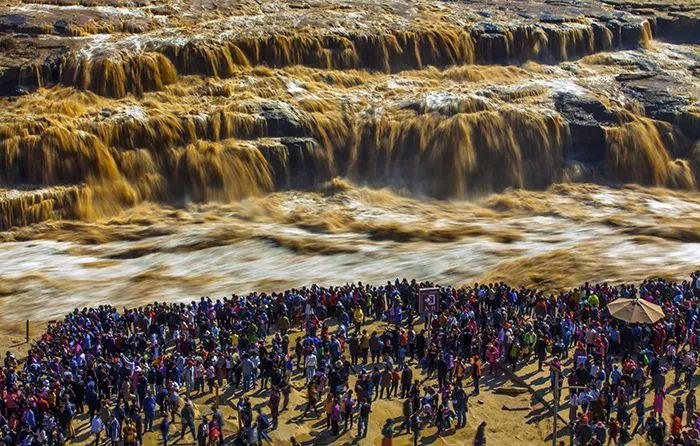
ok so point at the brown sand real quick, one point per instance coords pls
(507, 422)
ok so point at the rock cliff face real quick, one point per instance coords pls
(116, 48)
(107, 104)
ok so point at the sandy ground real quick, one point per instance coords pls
(529, 427)
(520, 419)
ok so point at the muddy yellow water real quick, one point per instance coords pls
(550, 239)
(168, 150)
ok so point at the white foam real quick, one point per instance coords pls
(104, 10)
(130, 112)
(294, 87)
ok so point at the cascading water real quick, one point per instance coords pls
(162, 129)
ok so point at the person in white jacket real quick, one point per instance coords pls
(310, 363)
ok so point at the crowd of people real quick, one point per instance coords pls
(130, 372)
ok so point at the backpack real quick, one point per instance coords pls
(214, 432)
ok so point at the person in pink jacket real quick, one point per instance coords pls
(493, 354)
(659, 401)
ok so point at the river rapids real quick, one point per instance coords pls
(165, 150)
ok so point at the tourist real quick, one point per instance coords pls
(690, 406)
(96, 428)
(312, 398)
(460, 404)
(348, 405)
(187, 419)
(114, 430)
(129, 433)
(416, 427)
(134, 361)
(335, 417)
(363, 418)
(165, 429)
(310, 362)
(203, 432)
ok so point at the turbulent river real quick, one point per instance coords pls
(552, 239)
(170, 149)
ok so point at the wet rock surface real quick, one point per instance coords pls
(388, 35)
(586, 118)
(205, 101)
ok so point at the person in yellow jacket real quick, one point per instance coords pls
(442, 320)
(358, 316)
(530, 339)
(364, 346)
(283, 324)
(594, 301)
(328, 408)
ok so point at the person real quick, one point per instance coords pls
(274, 406)
(96, 427)
(406, 379)
(395, 377)
(613, 430)
(114, 430)
(247, 369)
(354, 348)
(312, 397)
(625, 436)
(299, 350)
(262, 424)
(129, 433)
(375, 347)
(384, 383)
(443, 418)
(640, 410)
(218, 419)
(149, 411)
(363, 419)
(676, 426)
(657, 432)
(358, 317)
(335, 418)
(203, 432)
(348, 407)
(93, 400)
(215, 435)
(138, 425)
(387, 433)
(283, 324)
(165, 429)
(416, 426)
(600, 433)
(690, 406)
(407, 412)
(460, 404)
(480, 437)
(187, 419)
(678, 407)
(476, 373)
(328, 408)
(364, 347)
(133, 359)
(310, 363)
(659, 402)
